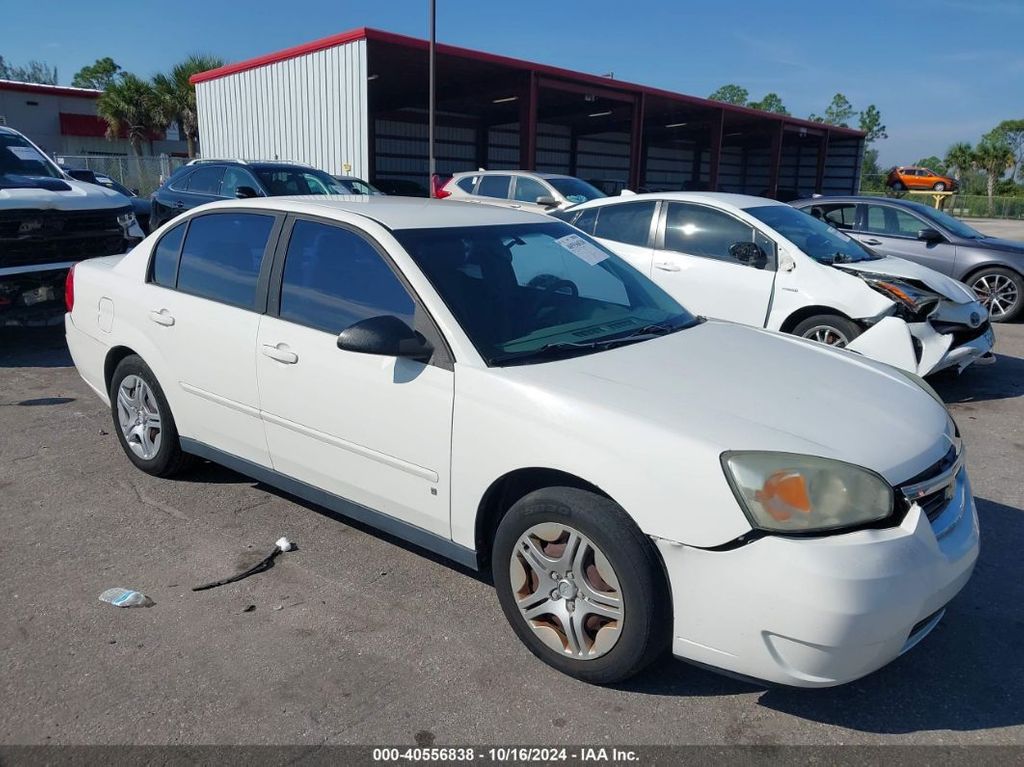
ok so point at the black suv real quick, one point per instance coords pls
(203, 181)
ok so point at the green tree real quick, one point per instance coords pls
(97, 75)
(870, 121)
(176, 96)
(932, 163)
(731, 94)
(33, 72)
(770, 103)
(130, 107)
(994, 157)
(960, 161)
(871, 175)
(838, 113)
(1012, 132)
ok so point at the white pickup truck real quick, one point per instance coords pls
(49, 221)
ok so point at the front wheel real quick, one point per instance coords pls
(938, 186)
(581, 585)
(828, 329)
(1001, 291)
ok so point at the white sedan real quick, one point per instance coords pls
(496, 387)
(766, 264)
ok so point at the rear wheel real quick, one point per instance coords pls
(580, 584)
(828, 329)
(939, 186)
(143, 421)
(1001, 291)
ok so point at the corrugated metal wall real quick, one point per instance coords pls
(401, 151)
(842, 165)
(310, 109)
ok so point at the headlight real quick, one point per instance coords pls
(910, 296)
(927, 387)
(791, 493)
(125, 220)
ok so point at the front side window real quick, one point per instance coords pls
(629, 223)
(528, 189)
(881, 219)
(221, 257)
(575, 190)
(702, 231)
(234, 178)
(814, 237)
(529, 292)
(164, 270)
(333, 278)
(205, 181)
(289, 181)
(494, 186)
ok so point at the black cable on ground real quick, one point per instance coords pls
(282, 545)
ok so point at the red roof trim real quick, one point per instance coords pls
(50, 90)
(367, 33)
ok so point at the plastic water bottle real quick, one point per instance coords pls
(126, 598)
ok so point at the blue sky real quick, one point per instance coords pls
(939, 70)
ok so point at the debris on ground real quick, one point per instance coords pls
(282, 545)
(120, 597)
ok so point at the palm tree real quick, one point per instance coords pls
(994, 156)
(129, 107)
(177, 96)
(960, 158)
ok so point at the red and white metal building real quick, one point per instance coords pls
(356, 103)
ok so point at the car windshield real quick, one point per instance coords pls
(814, 237)
(287, 181)
(575, 190)
(959, 228)
(111, 184)
(533, 292)
(20, 158)
(356, 186)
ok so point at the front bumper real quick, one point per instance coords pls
(818, 612)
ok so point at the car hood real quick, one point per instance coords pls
(721, 386)
(891, 266)
(39, 193)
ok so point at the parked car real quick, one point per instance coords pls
(991, 267)
(904, 177)
(766, 264)
(355, 185)
(203, 181)
(537, 192)
(634, 478)
(141, 206)
(48, 221)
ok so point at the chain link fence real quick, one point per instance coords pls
(144, 174)
(959, 204)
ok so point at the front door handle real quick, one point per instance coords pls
(162, 317)
(872, 242)
(179, 204)
(281, 355)
(666, 266)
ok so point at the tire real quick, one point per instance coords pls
(939, 186)
(135, 397)
(828, 329)
(1001, 291)
(898, 186)
(608, 546)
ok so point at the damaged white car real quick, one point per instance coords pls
(764, 263)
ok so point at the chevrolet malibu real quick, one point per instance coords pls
(494, 386)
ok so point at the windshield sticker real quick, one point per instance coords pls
(576, 198)
(582, 249)
(27, 153)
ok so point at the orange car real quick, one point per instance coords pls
(914, 177)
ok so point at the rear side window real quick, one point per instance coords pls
(494, 186)
(222, 255)
(629, 223)
(333, 278)
(165, 257)
(467, 183)
(205, 181)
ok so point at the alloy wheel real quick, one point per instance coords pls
(997, 293)
(139, 417)
(567, 591)
(828, 335)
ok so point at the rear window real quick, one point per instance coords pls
(222, 255)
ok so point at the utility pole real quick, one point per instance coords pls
(430, 107)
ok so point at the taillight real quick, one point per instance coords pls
(69, 289)
(437, 186)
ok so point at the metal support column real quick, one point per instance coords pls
(636, 144)
(528, 126)
(819, 176)
(775, 161)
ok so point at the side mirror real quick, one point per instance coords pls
(930, 235)
(386, 336)
(547, 201)
(749, 253)
(134, 190)
(245, 192)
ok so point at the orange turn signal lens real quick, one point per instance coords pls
(783, 493)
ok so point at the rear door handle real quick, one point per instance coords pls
(279, 354)
(162, 317)
(872, 242)
(666, 266)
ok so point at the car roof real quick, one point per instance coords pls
(826, 199)
(720, 199)
(393, 212)
(511, 173)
